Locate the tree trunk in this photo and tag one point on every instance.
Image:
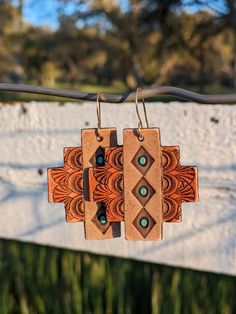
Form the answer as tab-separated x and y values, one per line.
231	20
233	65
202	72
136	71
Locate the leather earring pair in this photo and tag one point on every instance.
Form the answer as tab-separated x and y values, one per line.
141	183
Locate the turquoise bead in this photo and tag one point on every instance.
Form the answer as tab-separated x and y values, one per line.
100	160
142	160
144	222
143	191
103	219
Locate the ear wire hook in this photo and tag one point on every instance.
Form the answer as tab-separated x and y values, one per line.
140	123
98	106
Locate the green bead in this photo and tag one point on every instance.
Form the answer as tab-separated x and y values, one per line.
142	160
100	160
103	219
143	191
144	222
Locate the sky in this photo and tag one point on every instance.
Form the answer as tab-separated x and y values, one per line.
44	12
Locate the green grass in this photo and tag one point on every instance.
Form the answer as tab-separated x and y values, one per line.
38	279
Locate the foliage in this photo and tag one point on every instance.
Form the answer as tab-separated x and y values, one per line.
139	42
37	279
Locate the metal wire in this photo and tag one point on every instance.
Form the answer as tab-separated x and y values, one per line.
140	123
121	98
99	119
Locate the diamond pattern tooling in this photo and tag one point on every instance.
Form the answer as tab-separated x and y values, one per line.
144	222
143	191
141	183
100	219
142	160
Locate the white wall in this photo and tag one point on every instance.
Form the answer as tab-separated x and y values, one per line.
32	138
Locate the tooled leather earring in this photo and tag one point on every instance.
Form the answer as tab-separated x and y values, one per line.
141	183
81	183
155	184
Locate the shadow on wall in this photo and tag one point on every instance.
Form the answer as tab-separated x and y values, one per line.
37	192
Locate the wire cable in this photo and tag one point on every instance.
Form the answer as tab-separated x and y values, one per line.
121	98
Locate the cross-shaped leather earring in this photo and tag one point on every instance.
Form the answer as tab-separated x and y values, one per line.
141	183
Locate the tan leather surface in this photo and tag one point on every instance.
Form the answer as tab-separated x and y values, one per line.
89	146
81	183
153	176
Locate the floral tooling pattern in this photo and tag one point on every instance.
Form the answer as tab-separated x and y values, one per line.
106	184
179	184
66	184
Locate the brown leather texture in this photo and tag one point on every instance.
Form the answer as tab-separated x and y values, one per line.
91	149
146	206
101	187
106	183
179	184
65	184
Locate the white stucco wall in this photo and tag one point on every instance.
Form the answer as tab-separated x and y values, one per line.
32	138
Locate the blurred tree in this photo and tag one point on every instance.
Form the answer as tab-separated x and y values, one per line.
229	18
37	46
133	41
79	52
127	25
194	36
225	13
9	42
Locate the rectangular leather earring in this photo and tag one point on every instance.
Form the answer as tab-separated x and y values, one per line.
95	142
143	192
154	183
81	184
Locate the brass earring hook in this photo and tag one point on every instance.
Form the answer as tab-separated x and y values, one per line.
140	123
99	120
